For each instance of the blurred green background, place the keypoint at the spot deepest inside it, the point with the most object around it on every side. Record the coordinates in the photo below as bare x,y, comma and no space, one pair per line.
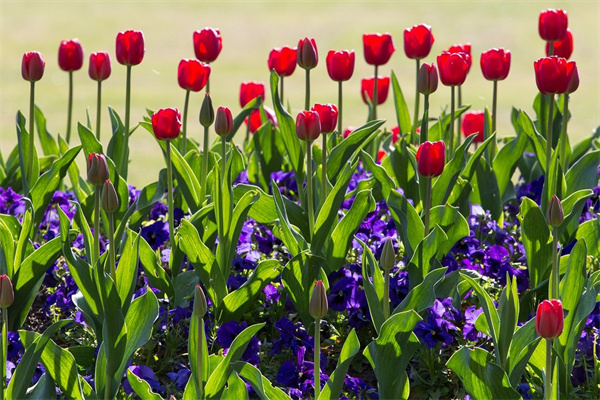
250,29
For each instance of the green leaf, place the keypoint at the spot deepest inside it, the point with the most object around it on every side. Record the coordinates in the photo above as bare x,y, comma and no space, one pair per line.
49,146
261,385
572,208
244,113
523,345
402,166
333,387
486,191
379,173
197,351
505,162
590,232
536,241
157,277
187,180
583,174
373,286
452,222
408,222
141,387
44,389
508,312
404,122
299,277
292,239
443,186
423,295
425,256
537,141
127,270
236,389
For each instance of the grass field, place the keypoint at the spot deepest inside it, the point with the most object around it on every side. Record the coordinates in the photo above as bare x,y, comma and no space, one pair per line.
250,30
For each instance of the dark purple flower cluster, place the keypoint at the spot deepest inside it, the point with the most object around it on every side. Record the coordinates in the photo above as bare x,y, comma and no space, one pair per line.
299,377
11,203
227,332
50,224
585,354
440,324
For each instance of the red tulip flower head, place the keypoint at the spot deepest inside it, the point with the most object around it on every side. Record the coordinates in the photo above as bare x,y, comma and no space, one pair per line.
130,47
100,66
340,65
549,319
307,55
572,77
328,114
207,44
553,24
283,60
453,68
166,123
255,119
70,55
223,121
495,64
427,80
562,48
32,66
367,88
378,47
348,131
462,48
251,90
97,169
418,41
553,74
395,134
192,74
431,158
473,122
308,126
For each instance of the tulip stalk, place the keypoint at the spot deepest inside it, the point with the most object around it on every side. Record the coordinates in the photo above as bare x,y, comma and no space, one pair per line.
451,138
324,170
4,349
554,280
111,244
125,149
339,122
494,108
459,119
70,107
386,295
98,109
317,358
281,90
375,98
417,99
204,166
425,124
427,203
96,253
563,134
31,116
199,344
307,91
548,380
309,187
184,124
548,149
170,196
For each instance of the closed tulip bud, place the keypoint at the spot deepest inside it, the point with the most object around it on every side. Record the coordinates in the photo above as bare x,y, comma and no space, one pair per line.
166,123
308,125
32,66
200,306
130,47
100,66
562,48
572,77
418,41
283,60
378,48
207,112
552,74
431,158
223,121
427,80
473,122
110,199
307,55
553,24
367,89
453,68
251,90
555,215
549,319
388,256
97,169
7,295
328,114
70,55
340,65
192,75
207,44
495,64
318,307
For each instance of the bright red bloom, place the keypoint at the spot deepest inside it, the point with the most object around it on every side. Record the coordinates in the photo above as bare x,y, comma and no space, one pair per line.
572,77
380,155
395,134
462,48
251,90
166,123
100,66
340,65
562,48
282,60
431,158
427,80
70,55
328,114
32,66
367,88
192,75
473,122
348,131
418,41
308,126
255,119
495,64
553,74
223,121
207,44
549,319
378,47
130,47
307,55
453,68
553,24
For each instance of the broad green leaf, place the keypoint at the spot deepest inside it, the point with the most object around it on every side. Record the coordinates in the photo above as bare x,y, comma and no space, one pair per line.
379,173
590,232
508,312
536,241
523,345
157,277
404,122
474,160
537,141
584,173
198,353
44,389
423,295
444,185
244,113
298,278
486,191
452,222
49,146
373,286
333,387
402,166
505,162
424,258
236,389
293,240
572,208
408,222
127,269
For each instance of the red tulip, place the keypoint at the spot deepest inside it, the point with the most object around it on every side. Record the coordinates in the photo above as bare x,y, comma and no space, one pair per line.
7,294
553,24
572,77
453,68
431,158
100,66
348,131
32,66
97,169
380,155
223,121
473,122
366,89
207,44
307,55
562,48
328,114
418,41
549,319
495,64
427,80
130,47
552,74
70,55
166,123
282,60
192,74
340,65
462,48
255,119
308,126
378,47
395,134
251,90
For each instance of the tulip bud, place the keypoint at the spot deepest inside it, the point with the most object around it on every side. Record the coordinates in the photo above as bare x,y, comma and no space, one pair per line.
340,65
251,90
553,24
453,68
7,295
192,74
130,47
572,77
549,319
495,64
200,306
317,307
70,55
223,121
100,66
427,80
555,215
32,66
110,199
431,158
562,48
97,169
166,123
207,112
307,56
378,48
388,256
418,41
308,126
552,74
367,87
473,122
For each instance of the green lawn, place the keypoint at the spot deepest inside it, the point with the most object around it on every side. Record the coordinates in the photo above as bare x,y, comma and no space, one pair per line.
250,30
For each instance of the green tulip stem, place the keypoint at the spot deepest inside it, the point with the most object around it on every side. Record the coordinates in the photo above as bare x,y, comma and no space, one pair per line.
339,122
170,198
98,109
204,166
386,295
309,187
31,135
96,251
199,345
281,90
551,49
555,279
459,119
317,358
548,150
375,96
70,107
427,204
451,138
184,125
548,380
125,149
494,108
324,170
223,159
563,134
307,91
417,99
425,125
108,383
111,243
4,348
